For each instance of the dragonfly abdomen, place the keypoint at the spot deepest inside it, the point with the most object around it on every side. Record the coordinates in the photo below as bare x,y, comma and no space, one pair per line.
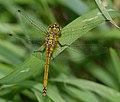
51,42
48,55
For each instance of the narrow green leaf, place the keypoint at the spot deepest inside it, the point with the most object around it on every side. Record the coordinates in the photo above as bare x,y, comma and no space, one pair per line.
101,74
10,52
78,4
12,47
10,28
25,70
105,12
116,63
86,96
52,93
106,34
38,95
3,100
80,27
4,70
101,90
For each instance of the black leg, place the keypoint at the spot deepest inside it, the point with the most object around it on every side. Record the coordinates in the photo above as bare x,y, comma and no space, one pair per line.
52,56
62,45
60,34
42,51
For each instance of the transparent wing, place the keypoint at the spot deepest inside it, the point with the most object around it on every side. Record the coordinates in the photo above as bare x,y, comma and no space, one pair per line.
77,52
32,32
15,38
80,52
33,21
29,43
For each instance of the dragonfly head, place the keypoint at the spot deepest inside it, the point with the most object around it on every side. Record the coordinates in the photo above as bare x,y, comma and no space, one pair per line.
55,28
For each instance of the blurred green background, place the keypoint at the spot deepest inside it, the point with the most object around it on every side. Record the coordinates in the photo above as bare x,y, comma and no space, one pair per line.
88,71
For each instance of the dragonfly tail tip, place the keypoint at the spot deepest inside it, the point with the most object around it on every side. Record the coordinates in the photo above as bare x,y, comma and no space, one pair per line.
44,91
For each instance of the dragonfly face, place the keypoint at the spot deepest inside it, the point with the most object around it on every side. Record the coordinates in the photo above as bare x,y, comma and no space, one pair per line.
55,28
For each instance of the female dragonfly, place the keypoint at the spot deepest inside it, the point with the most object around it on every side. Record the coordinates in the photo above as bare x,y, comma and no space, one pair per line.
51,41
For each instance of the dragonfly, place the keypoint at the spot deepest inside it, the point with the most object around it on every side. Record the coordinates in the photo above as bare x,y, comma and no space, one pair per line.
50,43
53,34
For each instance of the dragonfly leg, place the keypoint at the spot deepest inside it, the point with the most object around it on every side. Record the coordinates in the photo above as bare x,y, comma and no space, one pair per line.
39,50
52,56
42,49
60,34
62,45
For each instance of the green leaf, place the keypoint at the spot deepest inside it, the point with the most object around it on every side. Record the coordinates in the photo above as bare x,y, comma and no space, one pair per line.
101,90
2,100
11,53
101,74
80,27
78,4
4,70
38,95
81,94
106,34
52,93
116,63
25,70
105,12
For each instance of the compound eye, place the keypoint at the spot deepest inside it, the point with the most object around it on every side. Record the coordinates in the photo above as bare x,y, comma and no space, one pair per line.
52,26
58,28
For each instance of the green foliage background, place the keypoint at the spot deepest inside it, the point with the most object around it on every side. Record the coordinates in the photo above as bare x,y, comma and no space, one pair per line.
90,73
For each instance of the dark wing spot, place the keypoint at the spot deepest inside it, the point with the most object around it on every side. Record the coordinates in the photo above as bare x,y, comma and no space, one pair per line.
19,11
10,34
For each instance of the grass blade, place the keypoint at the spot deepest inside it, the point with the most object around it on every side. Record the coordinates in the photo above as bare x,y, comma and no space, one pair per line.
116,63
105,12
80,27
101,90
25,70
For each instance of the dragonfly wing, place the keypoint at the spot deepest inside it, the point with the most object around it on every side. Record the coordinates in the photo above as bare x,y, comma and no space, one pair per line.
29,38
81,52
32,20
28,45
